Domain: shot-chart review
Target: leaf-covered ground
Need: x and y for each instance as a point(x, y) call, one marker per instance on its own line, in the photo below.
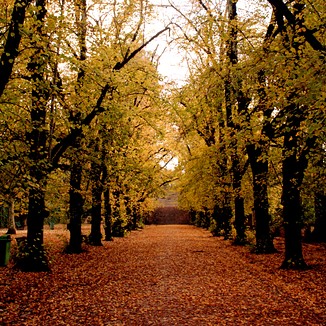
point(165, 275)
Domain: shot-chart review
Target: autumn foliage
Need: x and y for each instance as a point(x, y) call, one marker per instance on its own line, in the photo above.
point(91, 132)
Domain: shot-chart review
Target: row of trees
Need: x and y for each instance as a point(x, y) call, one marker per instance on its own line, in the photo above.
point(252, 120)
point(84, 123)
point(79, 105)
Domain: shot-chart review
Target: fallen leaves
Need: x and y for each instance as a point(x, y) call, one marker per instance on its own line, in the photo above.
point(166, 275)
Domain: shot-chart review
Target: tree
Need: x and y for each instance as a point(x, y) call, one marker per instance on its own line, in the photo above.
point(229, 122)
point(305, 32)
point(258, 150)
point(278, 106)
point(12, 168)
point(97, 190)
point(129, 168)
point(319, 232)
point(294, 120)
point(205, 103)
point(127, 52)
point(76, 199)
point(199, 113)
point(234, 95)
point(12, 41)
point(49, 87)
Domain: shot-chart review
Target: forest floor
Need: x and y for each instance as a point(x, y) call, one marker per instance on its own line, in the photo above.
point(165, 275)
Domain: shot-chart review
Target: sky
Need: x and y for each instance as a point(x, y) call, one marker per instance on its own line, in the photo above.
point(171, 65)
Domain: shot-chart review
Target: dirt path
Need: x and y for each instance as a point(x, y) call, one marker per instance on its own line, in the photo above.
point(164, 275)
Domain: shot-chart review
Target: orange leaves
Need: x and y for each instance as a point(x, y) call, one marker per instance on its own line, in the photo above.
point(166, 275)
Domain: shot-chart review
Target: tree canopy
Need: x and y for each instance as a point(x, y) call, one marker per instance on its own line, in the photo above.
point(88, 126)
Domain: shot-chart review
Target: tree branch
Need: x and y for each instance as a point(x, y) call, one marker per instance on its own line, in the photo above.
point(69, 139)
point(10, 51)
point(306, 33)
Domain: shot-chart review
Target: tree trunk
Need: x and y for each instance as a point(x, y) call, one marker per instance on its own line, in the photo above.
point(222, 212)
point(259, 167)
point(11, 217)
point(107, 215)
point(192, 215)
point(226, 215)
point(118, 229)
point(294, 153)
point(239, 222)
point(76, 203)
point(234, 96)
point(292, 212)
point(226, 219)
point(35, 257)
point(216, 216)
point(136, 217)
point(97, 190)
point(319, 232)
point(226, 209)
point(107, 201)
point(96, 235)
point(36, 207)
point(76, 200)
point(239, 213)
point(130, 212)
point(205, 218)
